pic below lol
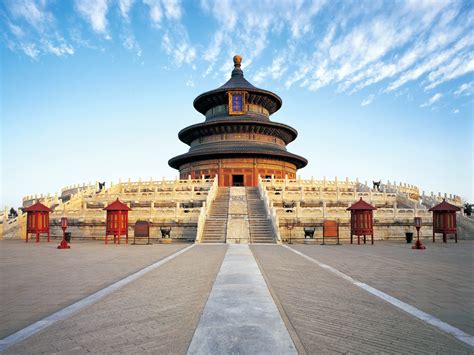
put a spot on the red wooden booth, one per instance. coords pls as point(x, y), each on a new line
point(362, 220)
point(117, 221)
point(444, 220)
point(37, 220)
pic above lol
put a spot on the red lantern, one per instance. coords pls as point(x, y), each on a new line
point(418, 244)
point(64, 223)
point(362, 220)
point(63, 244)
point(117, 221)
point(37, 220)
point(444, 220)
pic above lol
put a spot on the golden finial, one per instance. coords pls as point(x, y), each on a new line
point(237, 60)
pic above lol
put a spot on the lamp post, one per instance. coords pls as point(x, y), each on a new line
point(418, 244)
point(290, 225)
point(63, 244)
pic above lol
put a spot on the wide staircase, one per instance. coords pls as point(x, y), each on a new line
point(261, 230)
point(215, 228)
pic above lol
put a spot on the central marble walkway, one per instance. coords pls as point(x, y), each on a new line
point(240, 315)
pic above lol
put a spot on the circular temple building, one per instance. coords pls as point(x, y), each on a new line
point(237, 141)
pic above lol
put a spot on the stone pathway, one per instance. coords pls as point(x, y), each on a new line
point(37, 279)
point(240, 299)
point(438, 280)
point(240, 316)
point(329, 314)
point(156, 313)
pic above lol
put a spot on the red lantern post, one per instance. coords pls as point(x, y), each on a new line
point(362, 220)
point(444, 220)
point(418, 244)
point(117, 221)
point(63, 244)
point(37, 220)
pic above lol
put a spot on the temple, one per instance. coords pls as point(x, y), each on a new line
point(237, 141)
point(237, 184)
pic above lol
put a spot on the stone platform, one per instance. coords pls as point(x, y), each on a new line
point(161, 309)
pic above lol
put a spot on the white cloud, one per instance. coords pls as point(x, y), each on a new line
point(245, 26)
point(95, 13)
point(459, 66)
point(212, 52)
point(275, 71)
point(317, 43)
point(465, 89)
point(172, 9)
point(16, 30)
point(30, 50)
point(190, 83)
point(432, 63)
point(156, 12)
point(433, 99)
point(179, 49)
point(125, 6)
point(59, 50)
point(32, 12)
point(368, 100)
point(33, 30)
point(456, 111)
point(130, 43)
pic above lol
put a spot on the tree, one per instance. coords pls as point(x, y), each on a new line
point(468, 208)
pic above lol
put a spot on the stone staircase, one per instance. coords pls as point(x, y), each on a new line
point(215, 228)
point(261, 230)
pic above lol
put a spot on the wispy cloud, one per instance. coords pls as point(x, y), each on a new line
point(178, 48)
point(368, 100)
point(433, 99)
point(361, 47)
point(32, 29)
point(95, 13)
point(247, 31)
point(124, 7)
point(464, 89)
point(34, 13)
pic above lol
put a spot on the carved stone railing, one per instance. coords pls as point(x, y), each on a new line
point(271, 212)
point(206, 207)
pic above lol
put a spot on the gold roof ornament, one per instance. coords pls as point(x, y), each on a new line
point(237, 60)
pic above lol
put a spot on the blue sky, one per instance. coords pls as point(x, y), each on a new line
point(98, 90)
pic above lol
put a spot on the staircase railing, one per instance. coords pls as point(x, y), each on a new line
point(465, 226)
point(206, 207)
point(271, 211)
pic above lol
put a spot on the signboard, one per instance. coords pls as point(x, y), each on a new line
point(142, 229)
point(237, 102)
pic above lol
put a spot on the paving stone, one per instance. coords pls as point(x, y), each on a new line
point(38, 279)
point(182, 284)
point(240, 316)
point(438, 280)
point(330, 314)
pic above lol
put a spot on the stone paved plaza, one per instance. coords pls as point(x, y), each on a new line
point(162, 310)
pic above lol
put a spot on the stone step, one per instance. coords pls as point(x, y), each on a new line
point(260, 227)
point(215, 226)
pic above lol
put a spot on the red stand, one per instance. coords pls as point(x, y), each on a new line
point(63, 244)
point(418, 244)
